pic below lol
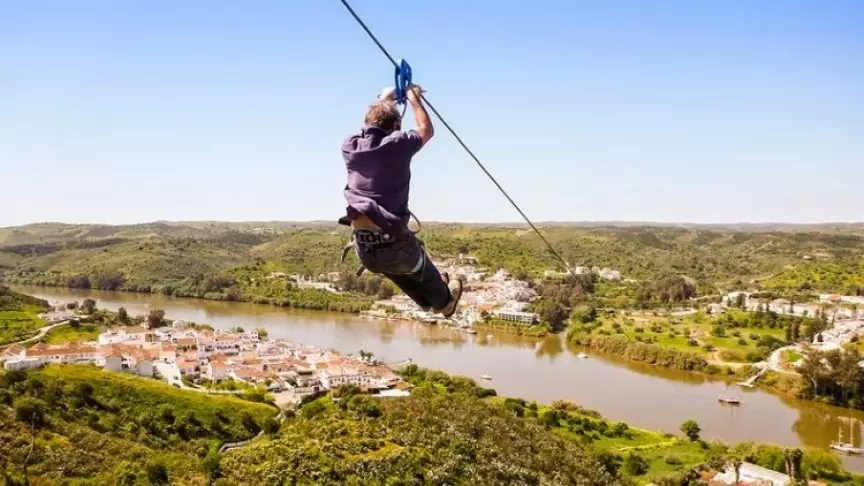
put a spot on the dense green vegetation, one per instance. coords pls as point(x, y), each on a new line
point(431, 437)
point(82, 423)
point(18, 315)
point(832, 376)
point(694, 341)
point(231, 261)
point(538, 330)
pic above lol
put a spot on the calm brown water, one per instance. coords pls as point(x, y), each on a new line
point(544, 369)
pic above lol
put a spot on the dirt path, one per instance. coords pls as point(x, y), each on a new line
point(42, 332)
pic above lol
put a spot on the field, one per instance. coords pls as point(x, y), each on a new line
point(69, 334)
point(19, 325)
point(734, 337)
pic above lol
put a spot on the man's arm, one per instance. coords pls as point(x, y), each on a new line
point(421, 118)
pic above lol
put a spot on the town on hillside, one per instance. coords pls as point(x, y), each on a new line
point(196, 357)
point(496, 295)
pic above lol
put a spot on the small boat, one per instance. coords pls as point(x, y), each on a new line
point(582, 355)
point(469, 330)
point(845, 447)
point(728, 399)
point(486, 377)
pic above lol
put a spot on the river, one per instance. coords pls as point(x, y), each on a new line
point(541, 369)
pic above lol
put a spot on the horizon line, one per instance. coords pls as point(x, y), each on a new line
point(465, 223)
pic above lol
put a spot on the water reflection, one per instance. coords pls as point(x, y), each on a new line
point(542, 369)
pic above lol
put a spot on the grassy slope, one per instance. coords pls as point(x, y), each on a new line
point(18, 316)
point(69, 334)
point(821, 277)
point(122, 426)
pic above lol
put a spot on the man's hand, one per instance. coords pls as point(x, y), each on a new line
point(424, 125)
point(414, 94)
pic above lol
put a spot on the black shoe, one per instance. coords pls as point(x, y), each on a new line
point(455, 295)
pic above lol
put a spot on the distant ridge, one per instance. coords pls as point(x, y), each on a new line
point(744, 226)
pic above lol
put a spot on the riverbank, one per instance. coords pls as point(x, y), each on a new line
point(541, 369)
point(296, 298)
point(537, 331)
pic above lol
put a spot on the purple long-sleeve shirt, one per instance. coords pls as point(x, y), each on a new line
point(379, 176)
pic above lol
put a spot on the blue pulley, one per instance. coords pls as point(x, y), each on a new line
point(402, 80)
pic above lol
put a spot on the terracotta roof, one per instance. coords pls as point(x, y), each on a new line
point(61, 350)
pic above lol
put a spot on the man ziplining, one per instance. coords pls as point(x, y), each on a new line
point(378, 160)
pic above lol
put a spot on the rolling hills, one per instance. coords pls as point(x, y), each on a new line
point(177, 257)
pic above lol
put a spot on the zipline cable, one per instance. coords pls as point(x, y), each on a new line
point(459, 139)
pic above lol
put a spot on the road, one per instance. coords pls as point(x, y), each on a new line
point(42, 332)
point(774, 360)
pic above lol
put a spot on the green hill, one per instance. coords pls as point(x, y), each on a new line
point(79, 425)
point(18, 315)
point(428, 439)
point(222, 260)
point(82, 425)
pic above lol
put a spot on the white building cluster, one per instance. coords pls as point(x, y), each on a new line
point(177, 352)
point(835, 306)
point(604, 273)
point(497, 295)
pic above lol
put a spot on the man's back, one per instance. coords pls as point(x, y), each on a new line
point(379, 173)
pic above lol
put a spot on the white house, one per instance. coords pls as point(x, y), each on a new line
point(16, 363)
point(144, 367)
point(752, 474)
point(609, 274)
point(71, 353)
point(187, 368)
point(331, 378)
point(126, 335)
point(215, 371)
point(114, 362)
point(516, 316)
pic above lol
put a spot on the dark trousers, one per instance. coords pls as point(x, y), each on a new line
point(405, 263)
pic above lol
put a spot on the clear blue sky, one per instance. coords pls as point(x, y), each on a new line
point(722, 111)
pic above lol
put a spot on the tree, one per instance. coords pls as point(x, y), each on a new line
point(585, 314)
point(554, 313)
point(210, 464)
point(122, 315)
point(88, 306)
point(385, 291)
point(262, 333)
point(736, 461)
point(271, 426)
point(156, 318)
point(157, 474)
point(635, 465)
point(691, 429)
point(31, 411)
